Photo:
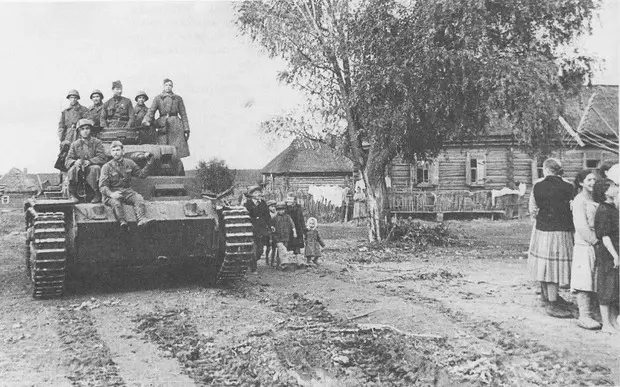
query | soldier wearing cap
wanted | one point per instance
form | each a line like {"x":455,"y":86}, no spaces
{"x":115,"y":185}
{"x":69,"y":118}
{"x":259,"y":216}
{"x":117,"y":112}
{"x":94,"y":112}
{"x":172,"y":126}
{"x":85,"y":155}
{"x":139,"y":112}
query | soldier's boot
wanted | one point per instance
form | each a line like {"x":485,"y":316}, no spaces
{"x":119,"y":212}
{"x":585,"y":312}
{"x":73,"y":196}
{"x":96,"y":197}
{"x":143,"y":220}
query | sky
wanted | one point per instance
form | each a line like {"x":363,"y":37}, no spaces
{"x":229,"y":86}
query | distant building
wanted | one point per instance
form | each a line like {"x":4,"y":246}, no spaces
{"x":15,"y":187}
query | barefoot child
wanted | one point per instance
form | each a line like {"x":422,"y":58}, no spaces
{"x":314,"y":243}
{"x":606,"y":228}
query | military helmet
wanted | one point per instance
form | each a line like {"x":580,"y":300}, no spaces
{"x":96,"y":91}
{"x":141,"y":93}
{"x":74,"y":93}
{"x":85,"y":122}
{"x":116,"y":144}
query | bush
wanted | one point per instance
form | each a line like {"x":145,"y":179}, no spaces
{"x":214,"y":176}
{"x":408,"y":230}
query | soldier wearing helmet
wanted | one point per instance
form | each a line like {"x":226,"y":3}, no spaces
{"x":86,"y":156}
{"x":117,"y":112}
{"x":146,"y":134}
{"x":69,"y":118}
{"x":94,"y":112}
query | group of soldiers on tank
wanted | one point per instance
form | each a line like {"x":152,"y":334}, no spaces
{"x":86,"y":159}
{"x":170,"y":128}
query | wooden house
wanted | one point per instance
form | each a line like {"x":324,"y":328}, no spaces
{"x":305,"y":163}
{"x":15,"y":187}
{"x":462,"y":178}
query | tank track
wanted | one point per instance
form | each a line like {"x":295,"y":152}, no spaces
{"x":239,"y":243}
{"x":47,"y":254}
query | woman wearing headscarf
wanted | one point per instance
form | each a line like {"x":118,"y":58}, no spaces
{"x":551,"y":245}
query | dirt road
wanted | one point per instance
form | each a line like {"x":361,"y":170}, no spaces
{"x":367,"y":316}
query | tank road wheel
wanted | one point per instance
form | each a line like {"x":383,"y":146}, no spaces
{"x":47,"y":254}
{"x":238,"y":243}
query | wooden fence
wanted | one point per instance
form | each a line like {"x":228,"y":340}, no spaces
{"x":323,"y":211}
{"x":405,"y":201}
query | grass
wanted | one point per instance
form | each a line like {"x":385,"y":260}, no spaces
{"x":11,"y":221}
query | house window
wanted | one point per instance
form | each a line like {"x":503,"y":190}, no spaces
{"x":539,"y":169}
{"x":5,"y":199}
{"x":423,"y":173}
{"x":592,"y":163}
{"x":475,"y":170}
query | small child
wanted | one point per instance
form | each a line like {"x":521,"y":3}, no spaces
{"x":271,"y":246}
{"x":314,"y":243}
{"x":283,"y":229}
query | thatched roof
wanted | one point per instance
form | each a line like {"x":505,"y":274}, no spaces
{"x":16,"y":181}
{"x":306,"y":156}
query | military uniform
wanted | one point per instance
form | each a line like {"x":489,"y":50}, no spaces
{"x":172,"y":123}
{"x":94,"y":112}
{"x":90,"y":149}
{"x":117,"y":112}
{"x":147,"y":134}
{"x":116,"y":177}
{"x":69,"y":118}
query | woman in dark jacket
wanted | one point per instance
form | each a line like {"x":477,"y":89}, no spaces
{"x":295,"y":212}
{"x":551,"y":245}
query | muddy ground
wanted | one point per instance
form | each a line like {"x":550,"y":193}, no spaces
{"x":368,"y":315}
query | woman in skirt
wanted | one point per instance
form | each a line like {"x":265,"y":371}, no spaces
{"x":582,"y":271}
{"x":551,"y":245}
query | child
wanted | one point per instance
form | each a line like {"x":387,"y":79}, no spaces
{"x":284,"y":228}
{"x":271,"y":246}
{"x":314,"y":243}
{"x":606,"y":228}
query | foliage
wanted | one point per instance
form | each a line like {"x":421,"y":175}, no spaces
{"x":423,"y":235}
{"x":405,"y":77}
{"x":214,"y":176}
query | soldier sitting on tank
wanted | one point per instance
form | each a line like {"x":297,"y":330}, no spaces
{"x":69,"y":118}
{"x":115,"y":185}
{"x":117,"y":112}
{"x":86,"y":156}
{"x":146,"y":134}
{"x":94,"y":112}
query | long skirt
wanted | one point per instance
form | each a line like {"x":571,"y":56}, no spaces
{"x":550,"y":256}
{"x":582,"y":270}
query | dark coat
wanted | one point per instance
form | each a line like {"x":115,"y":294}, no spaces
{"x":282,"y":228}
{"x":94,"y":114}
{"x":553,"y":196}
{"x":117,"y":112}
{"x":314,"y":242}
{"x":296,"y":213}
{"x":259,"y":215}
{"x":172,"y":122}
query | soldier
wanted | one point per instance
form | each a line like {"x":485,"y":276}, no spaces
{"x":69,"y":118}
{"x":86,"y":156}
{"x":139,"y":112}
{"x":94,"y":112}
{"x":115,"y":185}
{"x":172,"y":126}
{"x":117,"y":112}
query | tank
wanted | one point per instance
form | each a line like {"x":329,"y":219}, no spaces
{"x":65,"y":239}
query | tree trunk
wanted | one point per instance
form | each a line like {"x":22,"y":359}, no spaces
{"x":377,"y":205}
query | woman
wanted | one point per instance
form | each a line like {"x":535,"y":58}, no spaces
{"x":359,"y":206}
{"x":607,"y":230}
{"x":551,"y":245}
{"x":295,"y":212}
{"x":582,"y":270}
{"x":172,"y":126}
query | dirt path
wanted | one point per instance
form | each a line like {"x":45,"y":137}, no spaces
{"x":366,"y":316}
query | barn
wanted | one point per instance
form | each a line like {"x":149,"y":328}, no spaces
{"x":467,"y":177}
{"x":306,"y":163}
{"x":15,"y":187}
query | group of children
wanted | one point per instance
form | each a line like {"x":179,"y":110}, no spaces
{"x":283,"y":231}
